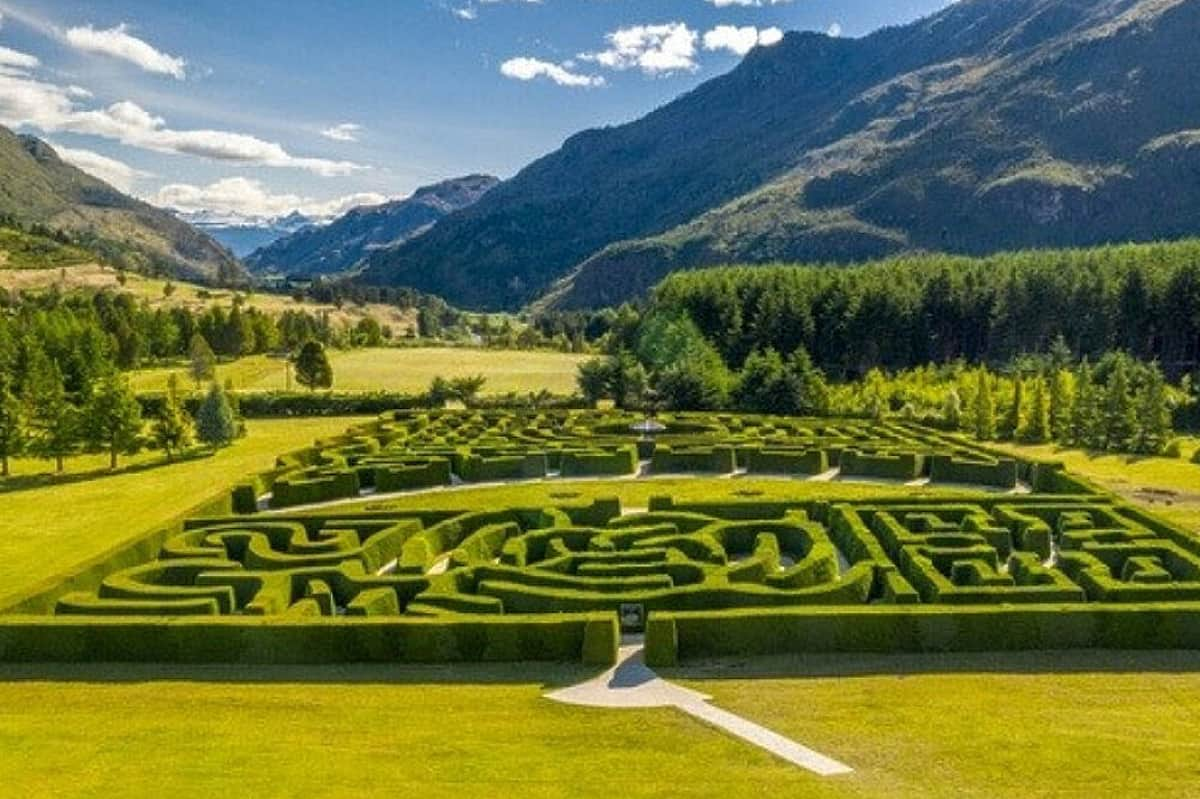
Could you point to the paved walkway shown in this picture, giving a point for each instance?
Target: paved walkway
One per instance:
(632, 684)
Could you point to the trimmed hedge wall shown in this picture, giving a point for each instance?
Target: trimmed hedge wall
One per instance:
(779, 461)
(897, 466)
(564, 638)
(669, 460)
(949, 469)
(921, 629)
(619, 462)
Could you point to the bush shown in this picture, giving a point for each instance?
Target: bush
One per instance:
(899, 466)
(948, 469)
(621, 461)
(669, 460)
(309, 486)
(776, 461)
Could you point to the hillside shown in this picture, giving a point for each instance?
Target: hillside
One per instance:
(993, 124)
(340, 245)
(37, 187)
(243, 235)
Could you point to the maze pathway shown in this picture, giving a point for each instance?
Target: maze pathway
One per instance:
(632, 684)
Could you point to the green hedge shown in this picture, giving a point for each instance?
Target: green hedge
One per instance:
(949, 469)
(563, 638)
(923, 629)
(671, 460)
(410, 475)
(897, 466)
(309, 486)
(621, 461)
(779, 461)
(479, 469)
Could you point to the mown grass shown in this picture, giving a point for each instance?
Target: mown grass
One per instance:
(1169, 487)
(51, 523)
(1039, 724)
(400, 369)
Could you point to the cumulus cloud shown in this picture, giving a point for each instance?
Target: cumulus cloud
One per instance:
(120, 44)
(110, 170)
(25, 99)
(654, 49)
(526, 69)
(835, 30)
(741, 40)
(347, 131)
(244, 197)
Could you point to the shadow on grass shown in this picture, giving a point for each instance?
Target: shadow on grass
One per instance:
(26, 482)
(548, 676)
(1084, 661)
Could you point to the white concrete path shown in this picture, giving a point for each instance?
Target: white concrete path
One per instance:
(631, 683)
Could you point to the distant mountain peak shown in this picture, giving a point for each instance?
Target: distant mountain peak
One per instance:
(338, 246)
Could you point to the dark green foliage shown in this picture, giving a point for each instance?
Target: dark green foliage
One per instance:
(112, 417)
(173, 428)
(313, 369)
(53, 421)
(12, 422)
(215, 423)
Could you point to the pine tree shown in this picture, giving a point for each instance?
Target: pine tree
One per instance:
(52, 419)
(1087, 424)
(1118, 410)
(1153, 428)
(1037, 426)
(173, 429)
(1011, 426)
(1061, 400)
(952, 410)
(215, 425)
(313, 369)
(983, 408)
(203, 366)
(112, 417)
(12, 424)
(809, 385)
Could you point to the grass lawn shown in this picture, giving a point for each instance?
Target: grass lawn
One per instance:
(59, 522)
(975, 726)
(400, 369)
(1169, 487)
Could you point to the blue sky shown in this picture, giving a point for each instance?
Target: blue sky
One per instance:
(264, 106)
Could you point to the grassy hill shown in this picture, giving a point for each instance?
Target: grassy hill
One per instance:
(20, 249)
(37, 187)
(994, 124)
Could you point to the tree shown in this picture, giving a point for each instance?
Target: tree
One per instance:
(466, 389)
(1153, 429)
(215, 424)
(983, 408)
(52, 419)
(439, 392)
(1087, 423)
(112, 417)
(765, 385)
(692, 385)
(1118, 413)
(809, 387)
(628, 381)
(174, 429)
(952, 410)
(313, 369)
(203, 365)
(595, 379)
(12, 424)
(1013, 418)
(1037, 426)
(1061, 401)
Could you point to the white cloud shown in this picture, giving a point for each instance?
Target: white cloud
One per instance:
(654, 49)
(110, 170)
(118, 43)
(51, 108)
(835, 30)
(347, 131)
(466, 12)
(250, 198)
(526, 69)
(740, 41)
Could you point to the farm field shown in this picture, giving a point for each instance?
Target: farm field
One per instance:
(57, 522)
(934, 726)
(399, 369)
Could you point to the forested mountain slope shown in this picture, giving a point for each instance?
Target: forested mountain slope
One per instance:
(37, 187)
(990, 125)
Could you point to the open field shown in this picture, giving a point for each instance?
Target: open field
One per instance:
(402, 369)
(1168, 486)
(46, 529)
(196, 298)
(932, 726)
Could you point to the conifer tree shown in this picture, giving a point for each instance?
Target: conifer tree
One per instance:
(1061, 401)
(313, 369)
(1119, 421)
(983, 410)
(173, 429)
(1037, 426)
(1153, 414)
(52, 419)
(952, 410)
(203, 366)
(112, 417)
(12, 424)
(1012, 423)
(215, 425)
(1087, 425)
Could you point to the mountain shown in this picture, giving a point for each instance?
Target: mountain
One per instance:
(340, 245)
(36, 186)
(993, 124)
(242, 235)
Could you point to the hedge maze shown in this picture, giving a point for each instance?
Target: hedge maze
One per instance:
(1031, 559)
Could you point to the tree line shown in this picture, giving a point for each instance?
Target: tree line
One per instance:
(1140, 299)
